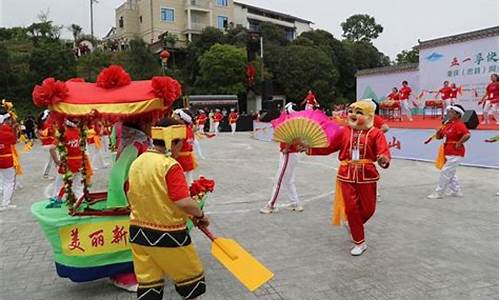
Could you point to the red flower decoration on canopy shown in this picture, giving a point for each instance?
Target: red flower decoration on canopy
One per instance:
(112, 77)
(50, 92)
(167, 88)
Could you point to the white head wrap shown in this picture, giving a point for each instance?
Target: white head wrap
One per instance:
(184, 116)
(289, 108)
(460, 111)
(4, 117)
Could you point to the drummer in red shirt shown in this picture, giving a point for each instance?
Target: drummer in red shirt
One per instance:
(8, 140)
(404, 96)
(490, 100)
(394, 95)
(233, 118)
(445, 93)
(455, 134)
(453, 93)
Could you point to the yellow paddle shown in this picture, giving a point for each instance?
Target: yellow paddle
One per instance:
(248, 270)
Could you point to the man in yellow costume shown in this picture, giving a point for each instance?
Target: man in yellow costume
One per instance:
(160, 206)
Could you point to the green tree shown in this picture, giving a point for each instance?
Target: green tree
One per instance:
(6, 74)
(222, 70)
(361, 28)
(91, 64)
(407, 56)
(305, 68)
(139, 61)
(52, 59)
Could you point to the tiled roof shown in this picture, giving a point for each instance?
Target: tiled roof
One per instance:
(458, 38)
(264, 10)
(389, 69)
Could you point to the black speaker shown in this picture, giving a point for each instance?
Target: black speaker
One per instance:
(470, 119)
(269, 115)
(268, 90)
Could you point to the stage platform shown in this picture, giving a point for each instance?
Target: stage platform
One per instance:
(430, 123)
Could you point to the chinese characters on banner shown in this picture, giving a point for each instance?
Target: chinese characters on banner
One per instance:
(475, 65)
(94, 238)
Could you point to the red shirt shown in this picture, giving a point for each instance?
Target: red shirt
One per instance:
(47, 135)
(186, 159)
(176, 184)
(7, 139)
(445, 92)
(202, 118)
(233, 117)
(404, 93)
(72, 142)
(492, 90)
(452, 133)
(393, 96)
(378, 121)
(453, 93)
(311, 99)
(218, 117)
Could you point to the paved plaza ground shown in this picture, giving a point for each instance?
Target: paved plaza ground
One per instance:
(417, 248)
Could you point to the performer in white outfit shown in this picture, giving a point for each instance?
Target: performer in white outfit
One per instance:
(285, 177)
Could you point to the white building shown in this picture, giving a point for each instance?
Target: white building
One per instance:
(465, 59)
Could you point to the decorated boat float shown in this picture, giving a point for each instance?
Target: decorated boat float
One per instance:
(89, 235)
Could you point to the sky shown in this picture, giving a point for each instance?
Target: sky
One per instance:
(404, 22)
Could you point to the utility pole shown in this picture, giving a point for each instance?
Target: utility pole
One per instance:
(262, 57)
(92, 16)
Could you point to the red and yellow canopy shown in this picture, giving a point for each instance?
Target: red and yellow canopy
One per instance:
(114, 96)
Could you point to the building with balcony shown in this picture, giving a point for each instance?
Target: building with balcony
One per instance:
(149, 19)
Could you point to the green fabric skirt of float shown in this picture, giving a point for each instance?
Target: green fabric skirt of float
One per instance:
(87, 241)
(84, 241)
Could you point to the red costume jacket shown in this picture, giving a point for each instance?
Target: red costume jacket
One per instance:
(218, 117)
(393, 96)
(72, 142)
(492, 90)
(233, 117)
(186, 159)
(7, 139)
(372, 143)
(46, 135)
(201, 119)
(452, 133)
(404, 93)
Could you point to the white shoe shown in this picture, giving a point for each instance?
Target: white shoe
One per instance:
(132, 288)
(268, 210)
(357, 250)
(435, 195)
(295, 207)
(2, 208)
(11, 206)
(458, 194)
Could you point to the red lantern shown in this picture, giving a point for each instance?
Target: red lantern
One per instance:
(164, 55)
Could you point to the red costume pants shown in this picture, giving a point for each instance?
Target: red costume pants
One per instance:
(360, 200)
